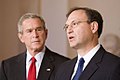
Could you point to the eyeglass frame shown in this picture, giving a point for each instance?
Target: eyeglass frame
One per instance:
(74, 24)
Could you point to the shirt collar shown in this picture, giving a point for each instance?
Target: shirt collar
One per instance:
(89, 55)
(38, 56)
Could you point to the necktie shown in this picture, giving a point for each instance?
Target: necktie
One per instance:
(79, 69)
(32, 70)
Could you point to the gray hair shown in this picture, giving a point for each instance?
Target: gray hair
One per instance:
(28, 16)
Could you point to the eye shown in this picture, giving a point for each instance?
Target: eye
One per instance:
(39, 28)
(74, 23)
(28, 31)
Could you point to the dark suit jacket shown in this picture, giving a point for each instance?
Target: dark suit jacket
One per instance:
(15, 67)
(103, 66)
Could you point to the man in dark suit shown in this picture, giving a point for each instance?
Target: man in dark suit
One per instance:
(37, 62)
(83, 28)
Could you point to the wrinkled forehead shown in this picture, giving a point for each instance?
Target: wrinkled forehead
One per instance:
(32, 23)
(31, 20)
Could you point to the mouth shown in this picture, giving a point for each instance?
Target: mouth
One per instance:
(71, 38)
(35, 41)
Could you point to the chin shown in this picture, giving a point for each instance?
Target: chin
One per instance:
(72, 46)
(37, 49)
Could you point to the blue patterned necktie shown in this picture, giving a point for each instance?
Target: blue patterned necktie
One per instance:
(79, 69)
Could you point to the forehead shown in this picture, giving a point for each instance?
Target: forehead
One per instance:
(78, 14)
(31, 21)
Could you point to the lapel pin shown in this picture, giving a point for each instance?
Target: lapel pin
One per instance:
(48, 69)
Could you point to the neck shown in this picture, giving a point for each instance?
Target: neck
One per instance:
(34, 51)
(86, 48)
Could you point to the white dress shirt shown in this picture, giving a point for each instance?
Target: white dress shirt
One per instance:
(38, 57)
(87, 59)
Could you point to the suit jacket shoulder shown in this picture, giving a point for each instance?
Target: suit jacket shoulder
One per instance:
(103, 66)
(15, 68)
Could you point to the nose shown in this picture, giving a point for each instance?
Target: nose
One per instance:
(70, 29)
(35, 34)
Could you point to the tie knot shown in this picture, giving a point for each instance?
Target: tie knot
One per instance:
(33, 59)
(81, 61)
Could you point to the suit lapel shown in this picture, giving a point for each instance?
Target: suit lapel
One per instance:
(46, 66)
(20, 74)
(69, 70)
(93, 65)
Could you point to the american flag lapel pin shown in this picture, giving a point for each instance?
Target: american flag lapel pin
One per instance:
(48, 69)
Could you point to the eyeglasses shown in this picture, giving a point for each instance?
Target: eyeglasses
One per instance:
(73, 24)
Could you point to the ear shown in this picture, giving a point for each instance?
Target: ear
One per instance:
(20, 36)
(46, 33)
(94, 26)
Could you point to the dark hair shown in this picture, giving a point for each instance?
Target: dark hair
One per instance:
(93, 15)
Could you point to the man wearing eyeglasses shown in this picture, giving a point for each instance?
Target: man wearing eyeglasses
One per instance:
(83, 28)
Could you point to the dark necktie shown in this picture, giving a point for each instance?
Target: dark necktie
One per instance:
(79, 69)
(32, 70)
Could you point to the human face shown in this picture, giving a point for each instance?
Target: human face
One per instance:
(79, 30)
(33, 35)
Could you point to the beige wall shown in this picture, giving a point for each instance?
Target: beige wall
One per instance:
(10, 11)
(54, 14)
(8, 17)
